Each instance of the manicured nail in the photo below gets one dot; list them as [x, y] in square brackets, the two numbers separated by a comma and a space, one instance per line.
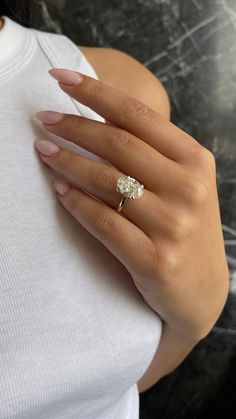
[61, 186]
[49, 117]
[66, 76]
[46, 147]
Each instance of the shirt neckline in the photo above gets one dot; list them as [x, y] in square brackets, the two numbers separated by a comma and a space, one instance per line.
[16, 46]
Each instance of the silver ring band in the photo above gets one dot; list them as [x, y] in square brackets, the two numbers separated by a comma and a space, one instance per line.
[122, 203]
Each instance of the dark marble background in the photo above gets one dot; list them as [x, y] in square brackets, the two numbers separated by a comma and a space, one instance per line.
[191, 46]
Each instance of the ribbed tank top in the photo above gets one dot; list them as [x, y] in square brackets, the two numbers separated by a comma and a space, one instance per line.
[75, 334]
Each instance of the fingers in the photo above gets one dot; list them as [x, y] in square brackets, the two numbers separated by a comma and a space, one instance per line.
[130, 114]
[99, 180]
[123, 150]
[123, 239]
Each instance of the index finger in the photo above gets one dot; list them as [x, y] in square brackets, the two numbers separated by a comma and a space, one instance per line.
[128, 113]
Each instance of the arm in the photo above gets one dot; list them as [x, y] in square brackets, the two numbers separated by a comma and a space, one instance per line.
[171, 351]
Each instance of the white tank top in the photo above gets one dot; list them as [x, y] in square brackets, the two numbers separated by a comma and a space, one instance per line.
[75, 334]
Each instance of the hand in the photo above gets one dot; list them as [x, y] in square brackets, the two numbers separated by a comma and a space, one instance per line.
[170, 240]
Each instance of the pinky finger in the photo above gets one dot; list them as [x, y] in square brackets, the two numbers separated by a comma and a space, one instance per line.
[130, 245]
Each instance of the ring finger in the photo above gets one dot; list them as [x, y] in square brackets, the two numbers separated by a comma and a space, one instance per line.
[99, 180]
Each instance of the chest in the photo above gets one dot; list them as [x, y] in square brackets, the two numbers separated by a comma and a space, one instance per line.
[71, 320]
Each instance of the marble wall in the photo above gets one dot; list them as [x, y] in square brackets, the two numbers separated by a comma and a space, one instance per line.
[191, 46]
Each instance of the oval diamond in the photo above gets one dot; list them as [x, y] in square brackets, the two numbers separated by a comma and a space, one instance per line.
[129, 187]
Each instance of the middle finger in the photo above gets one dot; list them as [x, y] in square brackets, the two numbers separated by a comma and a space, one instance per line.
[123, 150]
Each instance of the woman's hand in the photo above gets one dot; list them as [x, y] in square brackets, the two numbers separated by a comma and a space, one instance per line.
[170, 240]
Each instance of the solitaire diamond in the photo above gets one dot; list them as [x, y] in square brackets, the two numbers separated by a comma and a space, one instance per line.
[129, 187]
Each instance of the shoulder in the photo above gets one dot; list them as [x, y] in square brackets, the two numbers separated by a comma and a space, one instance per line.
[124, 72]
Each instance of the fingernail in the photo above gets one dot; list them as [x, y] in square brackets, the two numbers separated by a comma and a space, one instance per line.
[61, 186]
[49, 117]
[46, 147]
[66, 76]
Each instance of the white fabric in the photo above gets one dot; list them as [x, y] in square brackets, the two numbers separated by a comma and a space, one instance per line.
[75, 334]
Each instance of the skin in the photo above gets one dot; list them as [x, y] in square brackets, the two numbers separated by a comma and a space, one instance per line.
[171, 239]
[105, 61]
[132, 78]
[177, 276]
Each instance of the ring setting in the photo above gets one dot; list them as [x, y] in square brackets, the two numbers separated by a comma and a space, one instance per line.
[129, 188]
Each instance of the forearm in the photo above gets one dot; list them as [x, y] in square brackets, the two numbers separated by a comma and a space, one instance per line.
[172, 350]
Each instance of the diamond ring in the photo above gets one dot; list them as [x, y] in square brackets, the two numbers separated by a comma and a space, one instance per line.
[130, 188]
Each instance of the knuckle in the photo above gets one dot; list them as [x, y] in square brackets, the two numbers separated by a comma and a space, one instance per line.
[91, 85]
[70, 122]
[119, 139]
[210, 161]
[198, 192]
[205, 157]
[167, 260]
[72, 202]
[155, 259]
[182, 226]
[105, 223]
[68, 119]
[194, 191]
[133, 106]
[64, 159]
[102, 178]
